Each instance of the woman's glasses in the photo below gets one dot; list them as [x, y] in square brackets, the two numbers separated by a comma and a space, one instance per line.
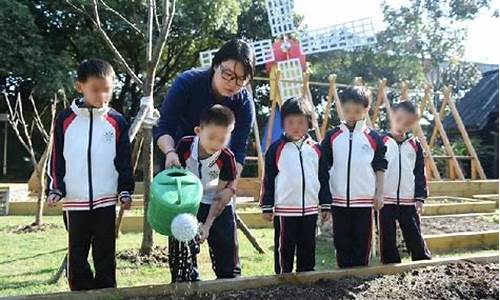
[229, 76]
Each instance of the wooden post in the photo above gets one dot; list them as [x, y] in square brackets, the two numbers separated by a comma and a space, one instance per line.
[380, 98]
[463, 132]
[430, 163]
[306, 95]
[446, 141]
[473, 170]
[432, 140]
[404, 91]
[274, 99]
[246, 231]
[326, 114]
[338, 105]
[260, 156]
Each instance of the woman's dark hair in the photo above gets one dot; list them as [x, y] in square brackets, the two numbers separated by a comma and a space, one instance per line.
[356, 94]
[217, 115]
[297, 106]
[94, 67]
[407, 106]
[237, 50]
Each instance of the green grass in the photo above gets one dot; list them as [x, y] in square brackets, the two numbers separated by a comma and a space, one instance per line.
[28, 261]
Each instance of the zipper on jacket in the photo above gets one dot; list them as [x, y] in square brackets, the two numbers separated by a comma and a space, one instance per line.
[303, 179]
[399, 174]
[348, 194]
[89, 160]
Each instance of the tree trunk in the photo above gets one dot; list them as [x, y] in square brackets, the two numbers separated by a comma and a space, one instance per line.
[147, 168]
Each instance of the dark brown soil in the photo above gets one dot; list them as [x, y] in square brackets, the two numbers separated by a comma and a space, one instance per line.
[30, 228]
[440, 225]
[456, 281]
[158, 257]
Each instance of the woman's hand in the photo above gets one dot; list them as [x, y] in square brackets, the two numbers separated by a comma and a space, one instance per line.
[172, 160]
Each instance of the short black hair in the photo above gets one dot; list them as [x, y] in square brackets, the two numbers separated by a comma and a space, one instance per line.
[94, 67]
[357, 94]
[297, 106]
[238, 50]
[217, 115]
[407, 106]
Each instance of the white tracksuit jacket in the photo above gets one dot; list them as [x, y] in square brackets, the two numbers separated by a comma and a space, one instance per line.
[404, 181]
[353, 157]
[291, 185]
[90, 162]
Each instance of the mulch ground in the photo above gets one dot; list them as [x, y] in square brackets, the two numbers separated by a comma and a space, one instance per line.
[158, 256]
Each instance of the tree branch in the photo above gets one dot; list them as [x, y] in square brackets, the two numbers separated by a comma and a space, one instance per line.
[38, 121]
[136, 29]
[97, 22]
[168, 16]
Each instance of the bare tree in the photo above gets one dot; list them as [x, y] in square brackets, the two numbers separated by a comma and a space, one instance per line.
[19, 125]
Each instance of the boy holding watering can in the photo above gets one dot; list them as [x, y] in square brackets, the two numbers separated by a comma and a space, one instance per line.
[207, 156]
[90, 167]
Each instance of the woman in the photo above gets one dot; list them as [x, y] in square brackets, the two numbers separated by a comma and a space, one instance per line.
[192, 93]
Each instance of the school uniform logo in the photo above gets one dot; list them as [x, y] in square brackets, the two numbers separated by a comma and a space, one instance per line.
[366, 148]
[109, 136]
[213, 174]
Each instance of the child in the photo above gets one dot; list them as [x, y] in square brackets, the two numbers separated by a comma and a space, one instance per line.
[207, 156]
[291, 188]
[405, 188]
[90, 167]
[355, 157]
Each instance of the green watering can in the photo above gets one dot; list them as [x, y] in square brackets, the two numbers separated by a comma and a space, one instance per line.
[173, 191]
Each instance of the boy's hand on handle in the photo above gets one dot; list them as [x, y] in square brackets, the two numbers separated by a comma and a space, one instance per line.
[204, 232]
[126, 202]
[268, 216]
[172, 159]
[325, 216]
[52, 199]
[419, 206]
[378, 201]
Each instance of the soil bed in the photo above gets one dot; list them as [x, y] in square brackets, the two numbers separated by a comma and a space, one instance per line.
[441, 225]
[454, 281]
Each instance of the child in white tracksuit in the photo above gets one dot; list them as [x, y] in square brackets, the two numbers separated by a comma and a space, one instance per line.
[291, 190]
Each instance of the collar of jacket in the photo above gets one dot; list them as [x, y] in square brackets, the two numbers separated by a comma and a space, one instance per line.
[79, 109]
[408, 136]
[286, 139]
[360, 126]
[194, 152]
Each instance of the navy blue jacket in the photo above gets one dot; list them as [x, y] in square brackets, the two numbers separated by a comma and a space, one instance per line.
[191, 94]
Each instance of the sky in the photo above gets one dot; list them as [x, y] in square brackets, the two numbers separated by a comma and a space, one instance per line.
[481, 46]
